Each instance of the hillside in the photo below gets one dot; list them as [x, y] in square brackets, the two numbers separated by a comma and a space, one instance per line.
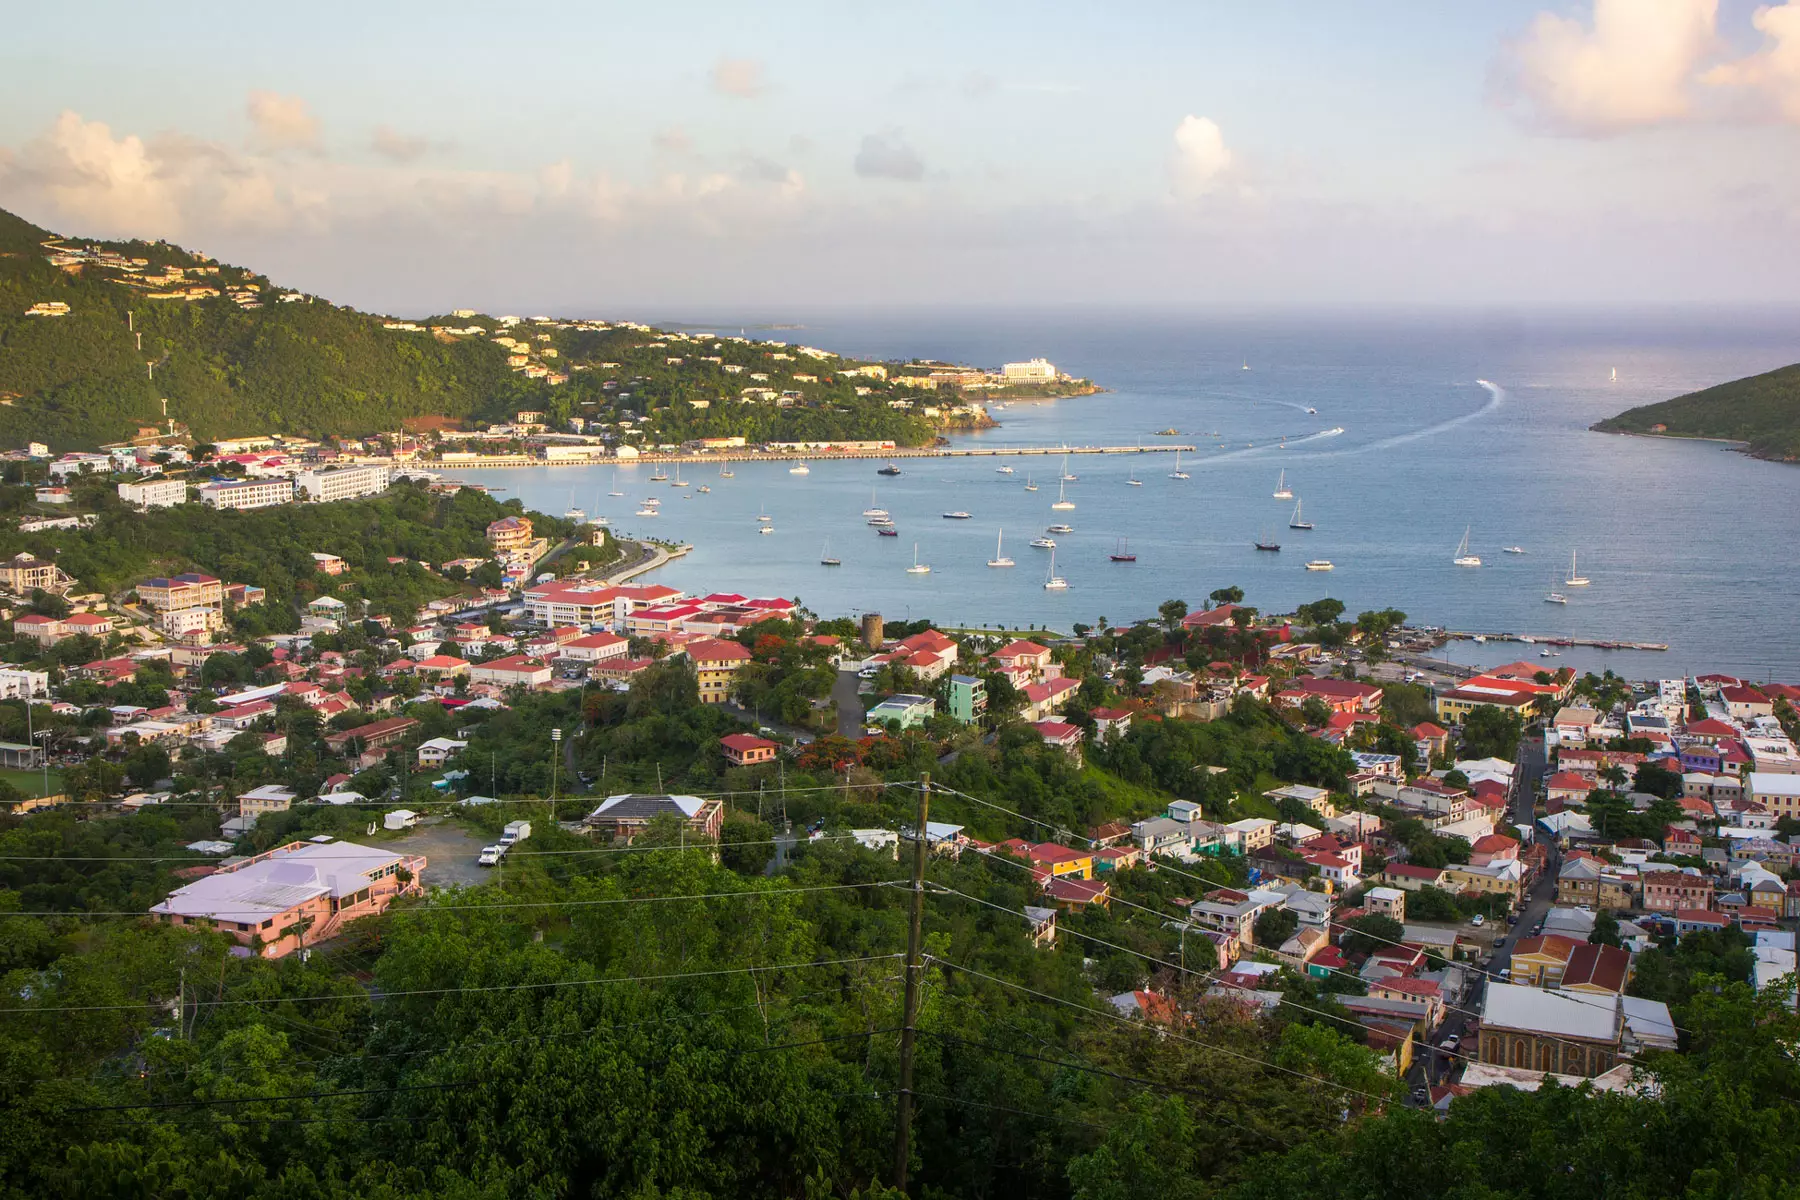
[1762, 411]
[94, 336]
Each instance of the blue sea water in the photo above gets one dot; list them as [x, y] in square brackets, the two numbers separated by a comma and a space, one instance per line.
[1685, 543]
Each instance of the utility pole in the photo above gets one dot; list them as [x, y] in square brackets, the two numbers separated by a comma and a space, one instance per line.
[555, 753]
[903, 1131]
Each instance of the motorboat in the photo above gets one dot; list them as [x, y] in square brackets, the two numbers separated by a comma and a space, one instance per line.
[1003, 470]
[1059, 528]
[1321, 564]
[890, 469]
[1043, 543]
[958, 515]
[1514, 549]
[800, 469]
[888, 531]
[703, 489]
[646, 512]
[766, 529]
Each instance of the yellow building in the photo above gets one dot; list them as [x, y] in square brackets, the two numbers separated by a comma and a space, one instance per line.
[1540, 961]
[509, 535]
[716, 662]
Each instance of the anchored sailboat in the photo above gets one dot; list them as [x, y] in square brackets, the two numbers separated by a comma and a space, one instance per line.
[1463, 557]
[1576, 578]
[1062, 501]
[1295, 522]
[1054, 582]
[1178, 473]
[826, 558]
[918, 568]
[999, 559]
[1282, 490]
[1122, 552]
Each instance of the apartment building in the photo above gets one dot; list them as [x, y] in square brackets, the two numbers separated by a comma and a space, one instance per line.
[342, 483]
[248, 493]
[155, 493]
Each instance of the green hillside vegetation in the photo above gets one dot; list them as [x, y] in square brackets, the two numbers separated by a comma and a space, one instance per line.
[1763, 411]
[272, 547]
[256, 358]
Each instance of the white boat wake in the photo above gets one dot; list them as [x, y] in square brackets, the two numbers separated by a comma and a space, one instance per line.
[1496, 396]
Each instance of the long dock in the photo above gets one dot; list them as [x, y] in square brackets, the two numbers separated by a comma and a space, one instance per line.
[1554, 639]
[748, 454]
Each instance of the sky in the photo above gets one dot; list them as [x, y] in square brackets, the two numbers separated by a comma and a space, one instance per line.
[700, 158]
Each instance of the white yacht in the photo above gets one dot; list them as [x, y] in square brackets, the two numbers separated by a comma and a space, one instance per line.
[646, 512]
[918, 568]
[1000, 559]
[1003, 470]
[1282, 490]
[1321, 564]
[1576, 578]
[1029, 485]
[1043, 543]
[1178, 473]
[1133, 481]
[1059, 527]
[872, 510]
[1297, 521]
[1054, 582]
[1463, 557]
[800, 468]
[615, 485]
[678, 481]
[1063, 503]
[1514, 549]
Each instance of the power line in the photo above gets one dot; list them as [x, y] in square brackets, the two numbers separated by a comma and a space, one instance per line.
[324, 854]
[469, 989]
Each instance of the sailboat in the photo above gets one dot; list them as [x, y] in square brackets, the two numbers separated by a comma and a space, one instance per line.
[725, 471]
[1553, 596]
[800, 468]
[1122, 552]
[1615, 375]
[1246, 364]
[999, 559]
[615, 485]
[1178, 473]
[918, 568]
[1003, 470]
[1576, 578]
[1295, 522]
[1268, 543]
[1062, 501]
[826, 559]
[659, 476]
[1133, 480]
[763, 518]
[1282, 490]
[1068, 478]
[1463, 557]
[1030, 485]
[1054, 582]
[872, 510]
[678, 481]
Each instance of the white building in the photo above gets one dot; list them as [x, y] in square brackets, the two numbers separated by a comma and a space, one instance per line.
[179, 622]
[248, 493]
[1035, 371]
[155, 493]
[19, 685]
[342, 483]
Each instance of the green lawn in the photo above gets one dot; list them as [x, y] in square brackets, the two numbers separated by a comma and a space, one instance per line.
[31, 783]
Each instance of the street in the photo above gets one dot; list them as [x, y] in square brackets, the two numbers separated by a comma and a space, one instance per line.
[849, 703]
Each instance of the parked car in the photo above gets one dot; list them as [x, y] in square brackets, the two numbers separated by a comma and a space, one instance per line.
[1477, 920]
[1451, 1043]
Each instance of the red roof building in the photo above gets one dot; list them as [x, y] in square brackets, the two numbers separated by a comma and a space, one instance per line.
[747, 750]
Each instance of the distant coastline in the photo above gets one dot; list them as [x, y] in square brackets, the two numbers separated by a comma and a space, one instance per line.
[1758, 416]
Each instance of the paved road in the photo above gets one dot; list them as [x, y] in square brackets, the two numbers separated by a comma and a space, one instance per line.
[1533, 763]
[849, 704]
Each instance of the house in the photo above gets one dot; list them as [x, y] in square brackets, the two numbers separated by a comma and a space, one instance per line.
[1742, 702]
[269, 798]
[1386, 902]
[909, 710]
[1430, 740]
[1779, 792]
[1317, 799]
[626, 816]
[1063, 736]
[1412, 878]
[967, 699]
[368, 740]
[1043, 926]
[1161, 834]
[1072, 894]
[1495, 847]
[437, 751]
[1110, 722]
[1573, 726]
[1050, 860]
[716, 663]
[1540, 960]
[1255, 833]
[1046, 699]
[747, 750]
[1566, 787]
[1601, 970]
[515, 670]
[1025, 662]
[1338, 695]
[23, 574]
[1668, 891]
[275, 903]
[596, 647]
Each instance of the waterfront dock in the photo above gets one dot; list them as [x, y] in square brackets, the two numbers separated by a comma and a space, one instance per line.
[1553, 639]
[751, 454]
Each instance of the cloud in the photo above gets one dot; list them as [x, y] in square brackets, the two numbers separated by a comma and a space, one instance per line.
[887, 156]
[1200, 156]
[1773, 72]
[282, 123]
[740, 77]
[978, 85]
[673, 140]
[1633, 67]
[398, 147]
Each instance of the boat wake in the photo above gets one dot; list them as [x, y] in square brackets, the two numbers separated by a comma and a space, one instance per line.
[1496, 396]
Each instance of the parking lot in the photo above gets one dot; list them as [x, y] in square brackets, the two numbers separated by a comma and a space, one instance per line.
[449, 853]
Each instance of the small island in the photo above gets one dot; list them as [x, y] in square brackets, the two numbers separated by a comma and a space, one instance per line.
[1761, 412]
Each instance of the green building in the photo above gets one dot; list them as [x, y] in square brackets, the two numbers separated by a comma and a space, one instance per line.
[968, 698]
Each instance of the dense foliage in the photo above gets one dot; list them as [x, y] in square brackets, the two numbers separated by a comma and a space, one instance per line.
[1762, 410]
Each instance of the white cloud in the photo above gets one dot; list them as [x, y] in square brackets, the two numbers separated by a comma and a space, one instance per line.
[1774, 71]
[673, 140]
[740, 77]
[398, 147]
[1200, 156]
[1633, 67]
[886, 155]
[282, 123]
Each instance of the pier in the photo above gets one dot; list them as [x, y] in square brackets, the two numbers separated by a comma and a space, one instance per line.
[1553, 639]
[752, 454]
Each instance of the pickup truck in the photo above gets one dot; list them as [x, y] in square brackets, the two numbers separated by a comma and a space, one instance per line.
[490, 856]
